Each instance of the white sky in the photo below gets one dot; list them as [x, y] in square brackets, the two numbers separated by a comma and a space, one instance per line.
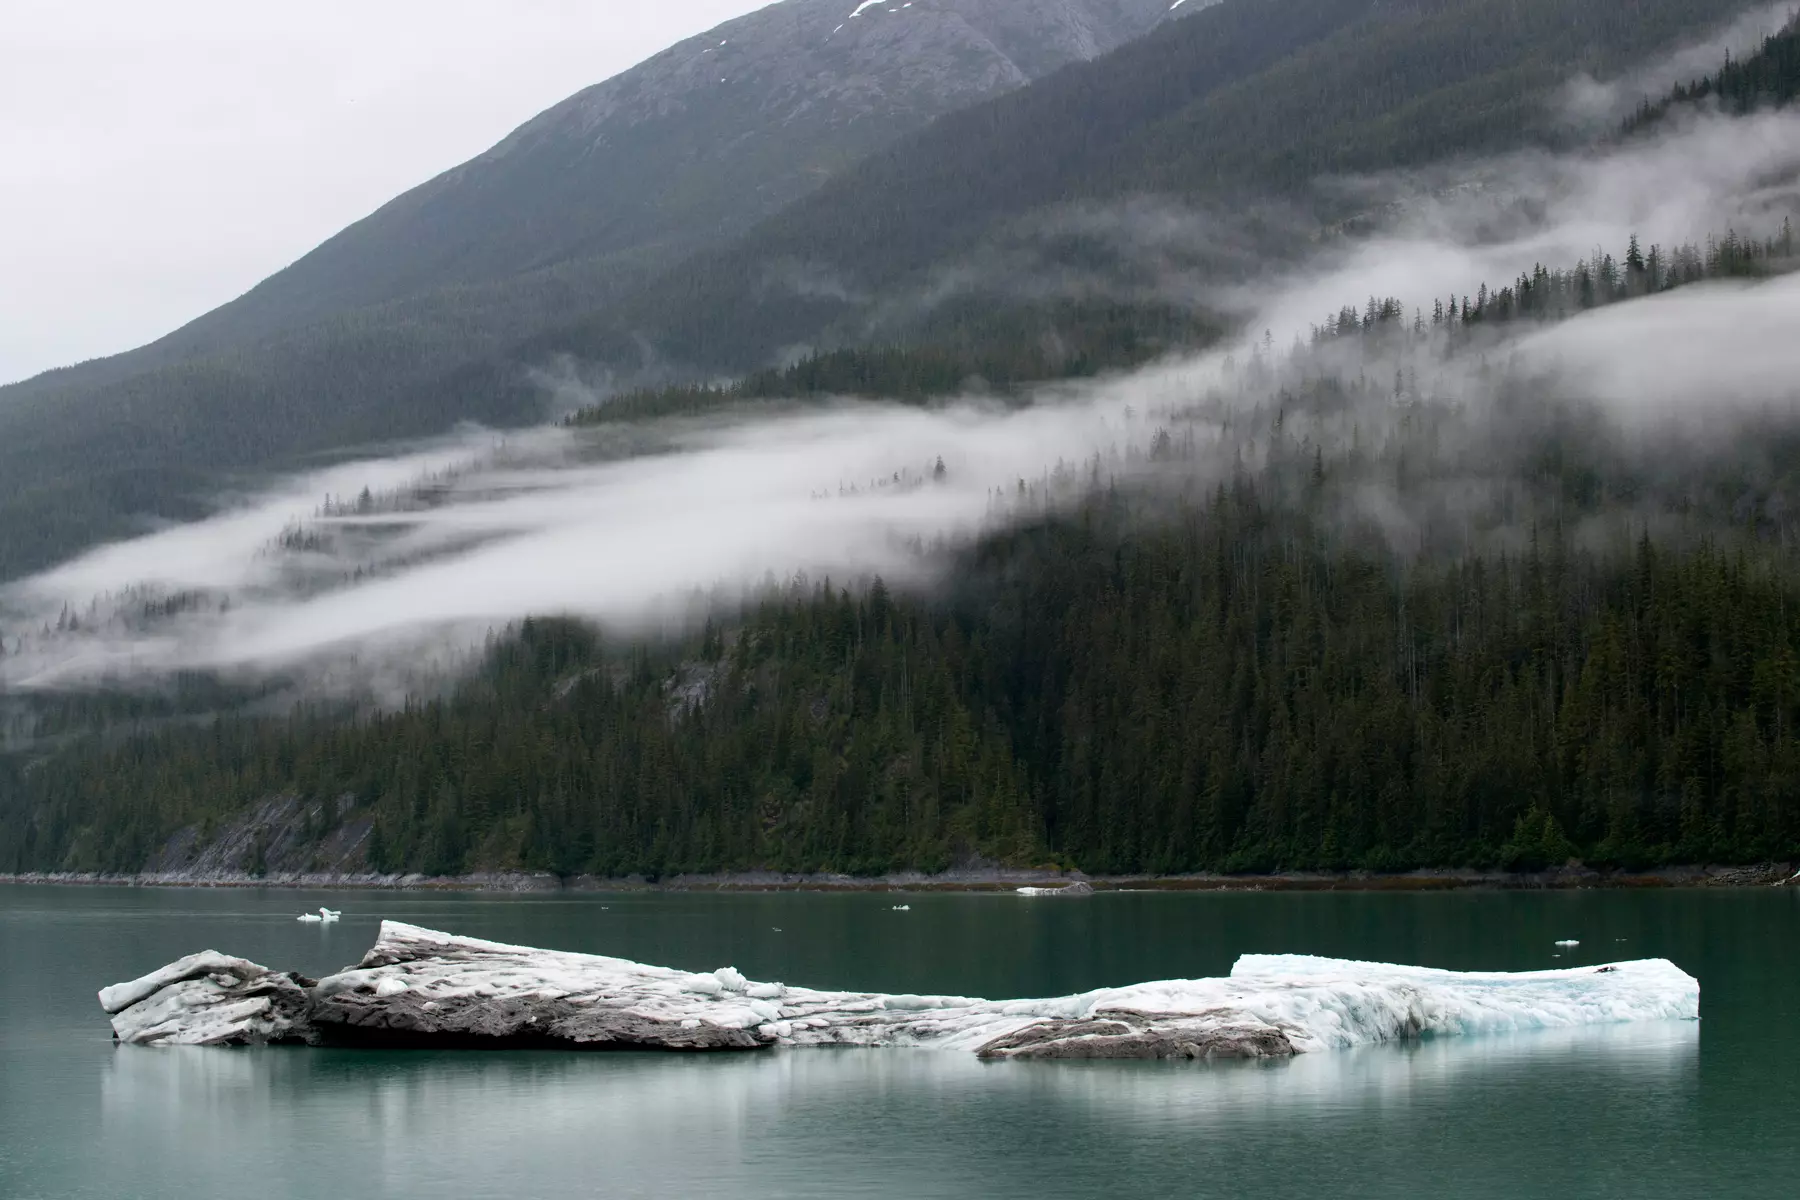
[159, 157]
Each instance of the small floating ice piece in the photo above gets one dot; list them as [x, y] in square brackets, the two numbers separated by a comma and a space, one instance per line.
[902, 908]
[1077, 888]
[310, 918]
[1567, 943]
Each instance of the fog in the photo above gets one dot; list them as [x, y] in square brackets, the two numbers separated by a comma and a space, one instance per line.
[645, 530]
[1598, 106]
[506, 528]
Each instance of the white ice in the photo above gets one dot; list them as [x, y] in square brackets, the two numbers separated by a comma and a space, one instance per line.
[1315, 1003]
[1319, 1003]
[194, 1001]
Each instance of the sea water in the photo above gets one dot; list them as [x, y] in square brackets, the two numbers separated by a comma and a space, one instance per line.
[1659, 1109]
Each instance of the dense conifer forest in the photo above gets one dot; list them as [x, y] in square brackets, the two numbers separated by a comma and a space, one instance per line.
[1332, 617]
[1230, 669]
[1767, 78]
[1230, 690]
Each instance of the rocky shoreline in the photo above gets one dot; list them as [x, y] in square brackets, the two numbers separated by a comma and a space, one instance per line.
[968, 880]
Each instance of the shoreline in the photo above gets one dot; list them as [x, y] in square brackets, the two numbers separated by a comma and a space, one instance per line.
[969, 881]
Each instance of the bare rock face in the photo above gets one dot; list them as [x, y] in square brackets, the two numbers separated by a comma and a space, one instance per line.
[1122, 1033]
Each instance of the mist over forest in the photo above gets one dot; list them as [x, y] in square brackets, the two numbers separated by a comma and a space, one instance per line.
[1157, 533]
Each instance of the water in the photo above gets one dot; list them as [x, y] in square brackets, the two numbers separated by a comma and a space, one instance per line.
[1642, 1112]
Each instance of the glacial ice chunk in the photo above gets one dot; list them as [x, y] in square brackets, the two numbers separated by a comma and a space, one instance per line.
[418, 986]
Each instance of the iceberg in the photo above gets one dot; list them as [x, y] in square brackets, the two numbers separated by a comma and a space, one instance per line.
[1079, 888]
[419, 987]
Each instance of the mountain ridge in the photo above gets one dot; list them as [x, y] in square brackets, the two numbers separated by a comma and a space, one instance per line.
[560, 188]
[87, 453]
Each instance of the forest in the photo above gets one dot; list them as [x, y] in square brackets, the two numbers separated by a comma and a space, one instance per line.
[1233, 668]
[1232, 689]
[1538, 646]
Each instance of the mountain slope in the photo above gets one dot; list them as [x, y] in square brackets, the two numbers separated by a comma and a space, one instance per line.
[1235, 677]
[695, 144]
[691, 146]
[1226, 107]
[575, 209]
[1238, 103]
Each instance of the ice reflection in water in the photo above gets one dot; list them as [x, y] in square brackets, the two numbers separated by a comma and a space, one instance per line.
[916, 1123]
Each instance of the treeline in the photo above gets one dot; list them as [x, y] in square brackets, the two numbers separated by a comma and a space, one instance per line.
[1047, 342]
[1417, 641]
[1234, 687]
[1768, 78]
[1546, 294]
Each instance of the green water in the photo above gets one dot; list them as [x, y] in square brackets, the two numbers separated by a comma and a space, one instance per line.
[1682, 1109]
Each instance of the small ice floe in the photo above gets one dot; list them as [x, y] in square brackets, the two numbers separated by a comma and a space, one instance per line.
[1078, 888]
[329, 914]
[310, 918]
[902, 908]
[1568, 943]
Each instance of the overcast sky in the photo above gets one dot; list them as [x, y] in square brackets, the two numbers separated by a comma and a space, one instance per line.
[159, 157]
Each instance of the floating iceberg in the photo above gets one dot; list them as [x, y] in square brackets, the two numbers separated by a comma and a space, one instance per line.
[417, 987]
[1077, 888]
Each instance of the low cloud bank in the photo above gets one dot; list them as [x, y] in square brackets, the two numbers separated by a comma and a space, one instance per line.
[404, 564]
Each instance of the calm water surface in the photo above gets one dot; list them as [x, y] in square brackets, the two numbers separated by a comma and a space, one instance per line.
[1707, 1109]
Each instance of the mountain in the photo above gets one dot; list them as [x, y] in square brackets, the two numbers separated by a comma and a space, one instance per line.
[576, 207]
[1227, 110]
[1238, 668]
[1234, 108]
[690, 147]
[1490, 614]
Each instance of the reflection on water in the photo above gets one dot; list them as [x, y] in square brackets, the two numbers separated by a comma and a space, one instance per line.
[1645, 1111]
[814, 1122]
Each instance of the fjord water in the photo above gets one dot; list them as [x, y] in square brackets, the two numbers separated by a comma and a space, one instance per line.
[1678, 1109]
